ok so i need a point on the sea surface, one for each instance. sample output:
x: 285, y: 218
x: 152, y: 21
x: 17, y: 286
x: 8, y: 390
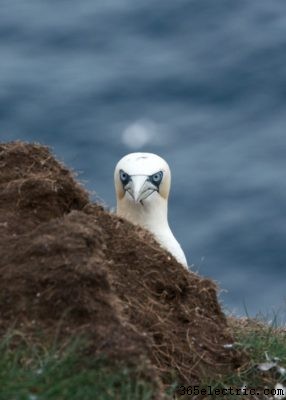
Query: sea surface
x: 202, y: 83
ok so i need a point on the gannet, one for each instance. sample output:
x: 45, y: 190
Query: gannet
x: 142, y: 185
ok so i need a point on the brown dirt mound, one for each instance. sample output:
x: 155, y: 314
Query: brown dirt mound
x: 69, y: 266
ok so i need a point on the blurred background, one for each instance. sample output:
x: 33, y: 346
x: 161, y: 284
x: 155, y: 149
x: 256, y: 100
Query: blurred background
x: 200, y: 82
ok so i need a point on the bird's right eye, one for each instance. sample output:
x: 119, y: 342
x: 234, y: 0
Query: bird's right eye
x: 124, y: 177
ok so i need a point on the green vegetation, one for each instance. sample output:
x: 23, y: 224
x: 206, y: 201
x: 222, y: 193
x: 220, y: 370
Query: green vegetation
x: 30, y: 372
x: 265, y: 346
x: 265, y: 364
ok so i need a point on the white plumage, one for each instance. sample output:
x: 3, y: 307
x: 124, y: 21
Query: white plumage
x: 142, y: 184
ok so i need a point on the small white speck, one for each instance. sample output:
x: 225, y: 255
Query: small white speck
x: 137, y: 134
x: 281, y: 370
x: 266, y: 366
x: 228, y: 346
x: 280, y: 391
x: 39, y: 371
x: 140, y: 133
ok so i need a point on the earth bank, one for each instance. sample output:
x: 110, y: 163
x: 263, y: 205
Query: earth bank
x: 68, y: 267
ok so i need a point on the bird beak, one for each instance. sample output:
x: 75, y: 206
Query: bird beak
x: 140, y: 188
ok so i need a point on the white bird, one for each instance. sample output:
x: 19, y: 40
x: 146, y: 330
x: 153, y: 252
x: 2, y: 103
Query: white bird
x: 142, y: 185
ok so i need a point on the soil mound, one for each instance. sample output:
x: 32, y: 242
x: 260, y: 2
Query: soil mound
x: 69, y: 266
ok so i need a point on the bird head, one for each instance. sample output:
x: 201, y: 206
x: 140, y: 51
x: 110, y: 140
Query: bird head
x: 142, y: 177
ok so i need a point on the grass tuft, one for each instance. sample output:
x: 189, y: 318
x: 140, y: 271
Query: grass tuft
x: 265, y: 348
x: 31, y: 372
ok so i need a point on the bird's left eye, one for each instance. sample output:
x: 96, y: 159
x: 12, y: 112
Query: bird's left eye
x: 156, y: 178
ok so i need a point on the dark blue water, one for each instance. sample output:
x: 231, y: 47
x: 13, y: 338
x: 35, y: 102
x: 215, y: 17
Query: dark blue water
x: 202, y: 83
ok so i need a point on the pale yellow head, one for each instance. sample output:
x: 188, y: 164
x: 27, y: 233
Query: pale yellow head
x: 142, y: 177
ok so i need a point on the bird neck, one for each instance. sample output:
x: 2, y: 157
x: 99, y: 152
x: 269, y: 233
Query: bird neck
x: 152, y: 214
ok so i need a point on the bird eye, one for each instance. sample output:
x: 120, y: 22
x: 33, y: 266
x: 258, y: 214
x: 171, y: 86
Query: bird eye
x: 156, y: 178
x: 124, y: 177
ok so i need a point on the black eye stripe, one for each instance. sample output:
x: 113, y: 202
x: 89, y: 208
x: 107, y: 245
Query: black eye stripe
x: 156, y: 178
x: 124, y: 177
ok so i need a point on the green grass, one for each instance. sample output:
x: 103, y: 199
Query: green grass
x: 261, y: 343
x: 30, y: 372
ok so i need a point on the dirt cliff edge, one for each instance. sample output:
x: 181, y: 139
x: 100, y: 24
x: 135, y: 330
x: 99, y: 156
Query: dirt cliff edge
x: 69, y: 266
